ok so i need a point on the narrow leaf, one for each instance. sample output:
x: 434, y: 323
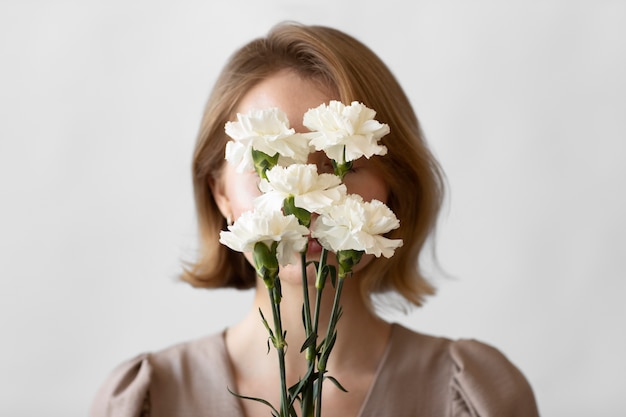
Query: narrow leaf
x: 310, y: 341
x: 332, y: 271
x: 334, y: 381
x: 261, y: 400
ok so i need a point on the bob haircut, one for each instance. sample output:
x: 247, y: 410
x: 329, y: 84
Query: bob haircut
x: 355, y: 73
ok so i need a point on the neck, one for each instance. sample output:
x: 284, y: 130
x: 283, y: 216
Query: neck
x: 358, y: 326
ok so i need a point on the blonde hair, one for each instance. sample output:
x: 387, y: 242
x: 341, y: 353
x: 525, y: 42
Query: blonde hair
x: 348, y: 67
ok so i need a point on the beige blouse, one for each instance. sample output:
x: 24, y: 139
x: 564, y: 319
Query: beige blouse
x: 419, y: 375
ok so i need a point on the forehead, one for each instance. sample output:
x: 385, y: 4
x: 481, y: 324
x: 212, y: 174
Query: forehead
x: 290, y: 92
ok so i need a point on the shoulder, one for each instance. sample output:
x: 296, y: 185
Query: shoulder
x: 472, y: 377
x: 179, y: 357
x: 126, y: 390
x: 486, y: 381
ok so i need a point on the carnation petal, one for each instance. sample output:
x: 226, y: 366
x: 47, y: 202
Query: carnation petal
x: 266, y: 131
x: 267, y: 227
x: 353, y: 128
x: 357, y: 225
x: 311, y: 191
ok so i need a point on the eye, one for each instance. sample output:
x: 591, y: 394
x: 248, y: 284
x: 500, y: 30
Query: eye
x: 325, y: 167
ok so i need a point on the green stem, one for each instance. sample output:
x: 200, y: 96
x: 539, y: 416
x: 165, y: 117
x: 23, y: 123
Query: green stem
x: 319, y: 275
x: 279, y: 343
x: 305, y: 295
x: 284, y: 400
x: 307, y: 394
x: 318, y: 302
x: 330, y: 332
x: 319, y: 285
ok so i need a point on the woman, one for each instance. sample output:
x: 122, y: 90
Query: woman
x: 387, y: 370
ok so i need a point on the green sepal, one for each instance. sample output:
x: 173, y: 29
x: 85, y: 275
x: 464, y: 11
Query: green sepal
x: 263, y: 162
x: 289, y: 207
x: 347, y: 259
x: 341, y: 169
x: 266, y: 262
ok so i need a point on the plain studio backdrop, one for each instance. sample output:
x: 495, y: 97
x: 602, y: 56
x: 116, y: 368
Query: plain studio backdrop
x: 522, y: 101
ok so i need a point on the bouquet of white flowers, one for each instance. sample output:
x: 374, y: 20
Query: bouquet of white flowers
x: 298, y: 204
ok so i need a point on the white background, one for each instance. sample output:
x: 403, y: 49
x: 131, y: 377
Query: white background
x: 522, y: 101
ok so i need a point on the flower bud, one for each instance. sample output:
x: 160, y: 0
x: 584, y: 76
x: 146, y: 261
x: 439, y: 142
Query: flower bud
x: 266, y: 262
x: 347, y: 259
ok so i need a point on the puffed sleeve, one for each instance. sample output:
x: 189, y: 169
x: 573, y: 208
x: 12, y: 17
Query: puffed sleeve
x: 125, y: 391
x: 486, y: 384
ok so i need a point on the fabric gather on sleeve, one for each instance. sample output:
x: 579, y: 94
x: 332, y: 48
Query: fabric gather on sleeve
x: 486, y: 384
x: 125, y: 391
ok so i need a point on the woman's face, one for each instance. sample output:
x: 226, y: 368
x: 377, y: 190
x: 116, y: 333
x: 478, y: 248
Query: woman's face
x: 293, y: 95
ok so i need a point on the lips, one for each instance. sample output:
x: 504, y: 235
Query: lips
x: 314, y: 246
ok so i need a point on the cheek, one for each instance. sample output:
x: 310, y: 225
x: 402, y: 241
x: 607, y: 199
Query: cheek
x: 376, y: 191
x: 368, y: 185
x: 242, y: 192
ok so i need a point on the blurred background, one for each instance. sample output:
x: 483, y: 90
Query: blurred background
x: 523, y: 102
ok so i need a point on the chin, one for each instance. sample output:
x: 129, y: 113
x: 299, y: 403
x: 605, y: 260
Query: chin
x: 292, y: 275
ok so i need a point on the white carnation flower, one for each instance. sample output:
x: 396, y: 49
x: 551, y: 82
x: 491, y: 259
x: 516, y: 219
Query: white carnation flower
x: 311, y: 191
x: 267, y: 131
x: 267, y: 227
x: 357, y: 225
x: 335, y: 127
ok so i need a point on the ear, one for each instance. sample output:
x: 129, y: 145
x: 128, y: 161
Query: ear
x: 221, y: 199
